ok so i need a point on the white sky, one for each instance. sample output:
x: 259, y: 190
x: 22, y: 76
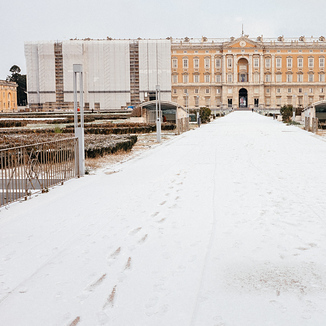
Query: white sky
x: 39, y: 20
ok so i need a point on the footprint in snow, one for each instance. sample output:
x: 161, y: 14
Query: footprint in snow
x: 111, y: 298
x: 114, y: 255
x: 134, y: 231
x: 143, y: 239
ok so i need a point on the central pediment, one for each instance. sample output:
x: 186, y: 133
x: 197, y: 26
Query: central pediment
x: 242, y: 43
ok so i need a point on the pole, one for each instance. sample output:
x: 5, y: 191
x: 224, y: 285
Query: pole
x: 158, y: 114
x: 293, y: 109
x: 79, y: 131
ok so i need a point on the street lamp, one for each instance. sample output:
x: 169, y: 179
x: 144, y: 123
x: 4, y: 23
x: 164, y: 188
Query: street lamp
x: 158, y: 113
x: 79, y: 127
x: 293, y: 108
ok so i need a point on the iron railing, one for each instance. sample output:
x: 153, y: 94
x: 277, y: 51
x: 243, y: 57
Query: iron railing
x: 34, y: 168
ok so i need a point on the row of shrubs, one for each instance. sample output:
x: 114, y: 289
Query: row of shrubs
x: 95, y: 146
x: 103, y: 147
x: 12, y: 123
x: 121, y: 129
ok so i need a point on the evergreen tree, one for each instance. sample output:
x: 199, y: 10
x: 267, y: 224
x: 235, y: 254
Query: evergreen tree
x: 20, y: 79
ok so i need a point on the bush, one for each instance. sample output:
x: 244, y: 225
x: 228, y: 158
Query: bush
x: 286, y: 112
x: 205, y: 114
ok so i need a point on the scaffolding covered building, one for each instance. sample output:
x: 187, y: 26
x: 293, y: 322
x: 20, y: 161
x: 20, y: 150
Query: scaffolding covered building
x: 117, y: 73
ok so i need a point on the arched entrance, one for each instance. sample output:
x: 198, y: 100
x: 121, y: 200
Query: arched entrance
x: 243, y: 98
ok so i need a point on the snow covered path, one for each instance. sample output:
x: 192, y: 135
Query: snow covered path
x: 223, y: 225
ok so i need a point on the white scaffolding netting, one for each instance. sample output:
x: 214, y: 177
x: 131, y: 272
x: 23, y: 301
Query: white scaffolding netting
x: 72, y: 53
x: 106, y: 67
x: 108, y: 71
x: 155, y: 67
x: 31, y: 55
x: 46, y: 72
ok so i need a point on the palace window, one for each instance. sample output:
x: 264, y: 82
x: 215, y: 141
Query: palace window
x: 267, y: 78
x: 196, y: 63
x: 185, y: 62
x: 218, y: 91
x: 300, y: 78
x: 321, y: 78
x: 218, y: 63
x: 310, y: 78
x: 278, y: 62
x: 321, y: 62
x: 278, y: 90
x: 289, y: 62
x: 196, y: 90
x: 196, y: 78
x: 229, y: 62
x: 300, y: 62
x: 185, y: 79
x: 207, y: 90
x: 256, y: 62
x: 174, y: 63
x: 278, y: 78
x: 289, y: 78
x: 174, y: 79
x: 217, y: 78
x: 207, y: 78
x: 300, y: 90
x: 267, y: 63
x: 289, y: 90
x: 207, y: 63
x: 310, y: 62
x: 185, y: 91
x: 229, y: 78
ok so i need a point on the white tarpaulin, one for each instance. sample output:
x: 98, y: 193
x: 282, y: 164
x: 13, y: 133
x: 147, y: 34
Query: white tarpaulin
x: 155, y: 67
x: 106, y: 67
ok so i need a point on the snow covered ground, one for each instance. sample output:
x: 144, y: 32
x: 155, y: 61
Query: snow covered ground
x: 223, y: 225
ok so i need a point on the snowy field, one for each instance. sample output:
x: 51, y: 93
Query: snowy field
x: 224, y: 225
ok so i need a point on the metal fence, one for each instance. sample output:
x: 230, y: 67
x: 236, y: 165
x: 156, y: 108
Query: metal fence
x: 34, y: 168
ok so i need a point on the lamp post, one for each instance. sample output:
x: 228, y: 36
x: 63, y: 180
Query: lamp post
x: 79, y: 130
x: 293, y: 108
x: 158, y: 113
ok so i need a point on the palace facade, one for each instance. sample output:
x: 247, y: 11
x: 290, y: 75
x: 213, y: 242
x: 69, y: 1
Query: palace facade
x: 246, y: 72
x: 8, y: 96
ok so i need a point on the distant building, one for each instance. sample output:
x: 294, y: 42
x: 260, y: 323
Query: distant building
x: 246, y: 72
x: 117, y: 73
x: 216, y: 73
x: 8, y: 96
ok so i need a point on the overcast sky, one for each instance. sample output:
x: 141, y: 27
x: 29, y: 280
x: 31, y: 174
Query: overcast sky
x: 39, y: 20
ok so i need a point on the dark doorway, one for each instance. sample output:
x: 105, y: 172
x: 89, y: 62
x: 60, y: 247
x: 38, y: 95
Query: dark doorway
x: 243, y: 98
x: 230, y: 102
x: 256, y: 102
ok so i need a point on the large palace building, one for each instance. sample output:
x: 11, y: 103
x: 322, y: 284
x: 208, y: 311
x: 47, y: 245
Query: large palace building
x: 246, y: 72
x: 216, y: 73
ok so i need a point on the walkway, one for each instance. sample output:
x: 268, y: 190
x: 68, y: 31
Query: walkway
x: 223, y: 225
